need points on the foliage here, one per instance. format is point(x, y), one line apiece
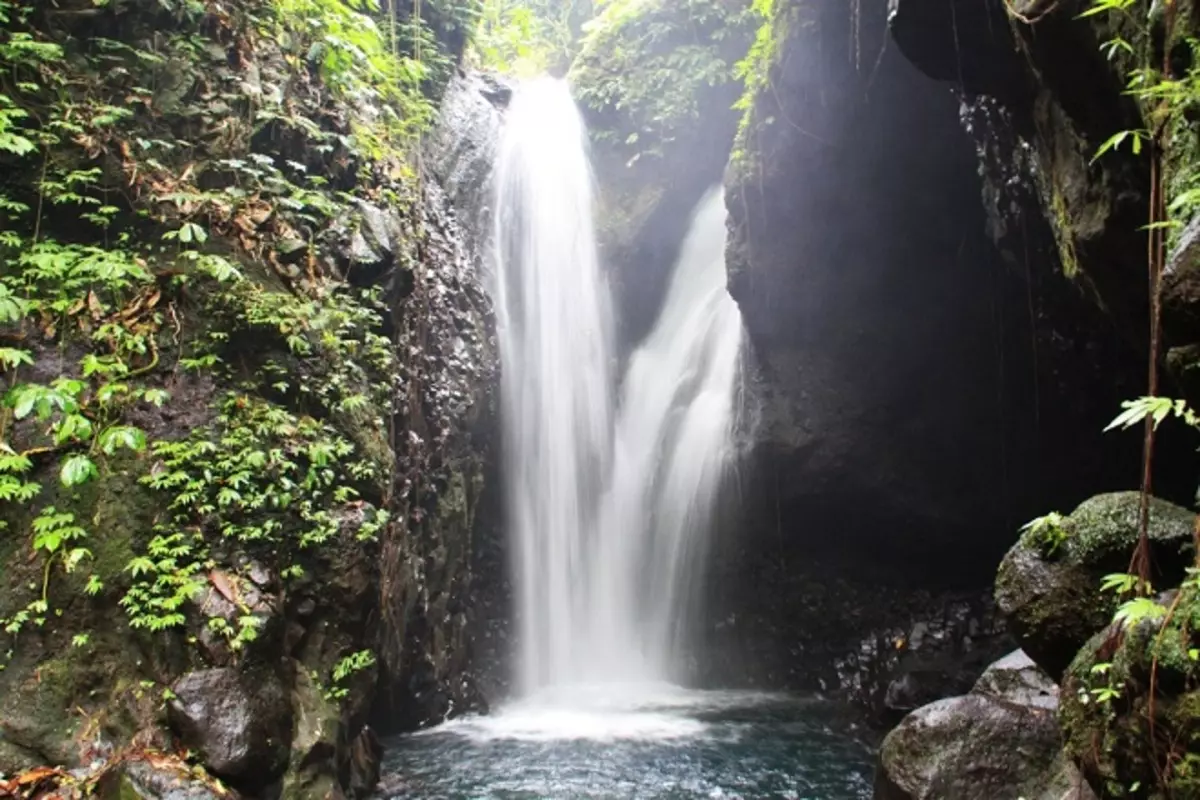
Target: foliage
point(646, 67)
point(167, 207)
point(1048, 532)
point(774, 21)
point(361, 66)
point(1133, 716)
point(76, 419)
point(528, 37)
point(260, 477)
point(345, 669)
point(754, 69)
point(1154, 408)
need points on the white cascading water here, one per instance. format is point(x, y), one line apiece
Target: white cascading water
point(609, 501)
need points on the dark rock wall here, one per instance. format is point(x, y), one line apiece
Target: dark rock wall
point(925, 378)
point(461, 155)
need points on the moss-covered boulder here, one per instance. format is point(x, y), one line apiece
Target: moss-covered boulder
point(1130, 709)
point(1048, 585)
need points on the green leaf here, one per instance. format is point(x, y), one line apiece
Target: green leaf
point(11, 357)
point(191, 232)
point(140, 565)
point(1119, 583)
point(1114, 142)
point(78, 469)
point(24, 398)
point(120, 436)
point(1138, 610)
point(157, 397)
point(1158, 408)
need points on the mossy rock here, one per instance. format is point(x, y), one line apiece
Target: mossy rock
point(1138, 743)
point(82, 677)
point(1048, 585)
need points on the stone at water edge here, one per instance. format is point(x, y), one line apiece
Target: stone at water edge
point(1051, 597)
point(240, 725)
point(999, 742)
point(148, 776)
point(1017, 679)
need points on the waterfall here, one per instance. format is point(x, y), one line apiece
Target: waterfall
point(610, 488)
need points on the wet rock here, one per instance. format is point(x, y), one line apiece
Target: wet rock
point(1048, 585)
point(240, 725)
point(965, 747)
point(999, 741)
point(312, 768)
point(1181, 286)
point(462, 149)
point(365, 762)
point(1183, 363)
point(144, 777)
point(1017, 679)
point(965, 42)
point(449, 366)
point(914, 689)
point(940, 654)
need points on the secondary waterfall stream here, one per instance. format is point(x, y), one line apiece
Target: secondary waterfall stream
point(610, 485)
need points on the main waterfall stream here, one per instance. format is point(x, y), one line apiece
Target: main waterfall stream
point(610, 489)
point(611, 486)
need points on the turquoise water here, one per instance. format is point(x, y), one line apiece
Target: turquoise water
point(638, 743)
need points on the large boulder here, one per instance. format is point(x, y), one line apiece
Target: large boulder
point(240, 725)
point(1048, 585)
point(1000, 741)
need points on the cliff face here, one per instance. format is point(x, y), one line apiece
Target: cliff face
point(929, 375)
point(251, 364)
point(1099, 104)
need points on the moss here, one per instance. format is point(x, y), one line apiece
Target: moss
point(1063, 233)
point(1054, 601)
point(778, 19)
point(1113, 739)
point(1106, 525)
point(119, 509)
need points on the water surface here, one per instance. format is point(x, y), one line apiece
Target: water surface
point(638, 743)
